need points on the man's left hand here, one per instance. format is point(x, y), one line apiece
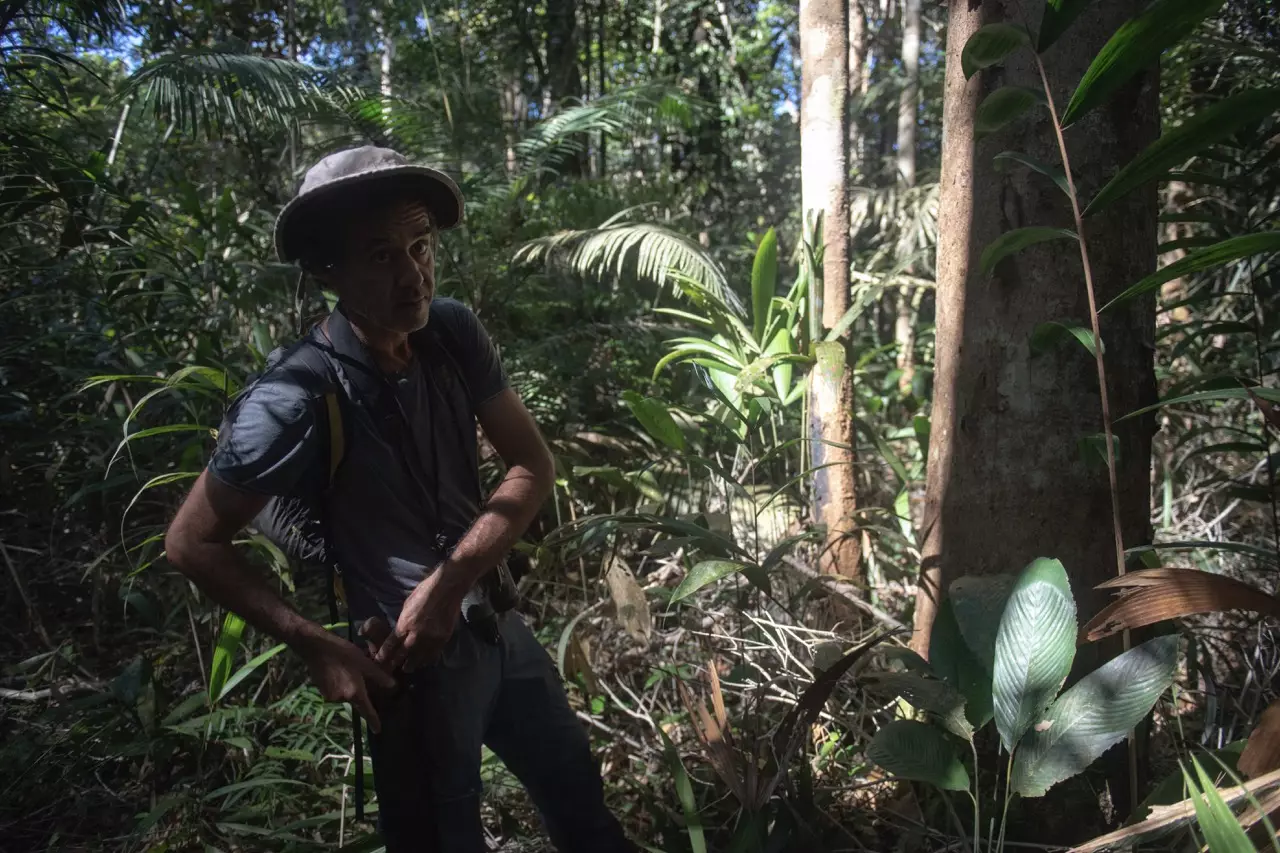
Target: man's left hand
point(427, 621)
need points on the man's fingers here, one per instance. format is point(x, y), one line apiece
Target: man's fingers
point(389, 648)
point(376, 674)
point(365, 706)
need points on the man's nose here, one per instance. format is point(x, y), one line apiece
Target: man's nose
point(408, 274)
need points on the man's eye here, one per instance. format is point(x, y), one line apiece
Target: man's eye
point(421, 248)
point(381, 256)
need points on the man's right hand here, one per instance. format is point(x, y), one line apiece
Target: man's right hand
point(343, 673)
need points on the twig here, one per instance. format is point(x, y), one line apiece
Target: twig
point(32, 615)
point(1162, 816)
point(843, 590)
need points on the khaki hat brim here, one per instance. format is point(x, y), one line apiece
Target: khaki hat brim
point(437, 190)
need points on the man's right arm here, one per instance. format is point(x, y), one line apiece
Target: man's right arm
point(199, 544)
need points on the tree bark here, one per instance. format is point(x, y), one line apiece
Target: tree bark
point(564, 77)
point(908, 107)
point(857, 84)
point(1007, 481)
point(824, 140)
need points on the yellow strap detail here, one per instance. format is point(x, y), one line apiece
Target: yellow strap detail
point(336, 438)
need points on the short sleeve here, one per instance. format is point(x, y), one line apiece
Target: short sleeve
point(476, 354)
point(270, 440)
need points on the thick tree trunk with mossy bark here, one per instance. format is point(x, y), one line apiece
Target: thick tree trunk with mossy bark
point(1008, 480)
point(824, 140)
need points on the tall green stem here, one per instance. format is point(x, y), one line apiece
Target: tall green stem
point(1004, 814)
point(1102, 375)
point(977, 790)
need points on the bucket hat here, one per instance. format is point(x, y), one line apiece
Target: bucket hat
point(361, 169)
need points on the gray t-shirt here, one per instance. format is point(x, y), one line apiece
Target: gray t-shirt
point(409, 480)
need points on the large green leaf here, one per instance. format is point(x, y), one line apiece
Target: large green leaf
point(919, 752)
point(224, 653)
point(1095, 713)
point(1222, 831)
point(978, 602)
point(1047, 336)
point(653, 415)
point(1269, 394)
point(1229, 250)
point(928, 694)
point(1017, 240)
point(1135, 47)
point(764, 282)
point(1035, 645)
point(953, 661)
point(1206, 127)
point(781, 344)
point(1058, 15)
point(1003, 106)
point(247, 670)
point(1053, 173)
point(990, 45)
point(706, 572)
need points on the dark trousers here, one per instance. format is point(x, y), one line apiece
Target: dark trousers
point(507, 696)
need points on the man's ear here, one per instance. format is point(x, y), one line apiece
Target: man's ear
point(321, 272)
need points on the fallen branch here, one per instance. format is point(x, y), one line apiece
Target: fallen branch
point(844, 591)
point(1165, 816)
point(56, 692)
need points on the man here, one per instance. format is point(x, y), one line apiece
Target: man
point(403, 513)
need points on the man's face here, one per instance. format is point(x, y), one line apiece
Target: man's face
point(386, 275)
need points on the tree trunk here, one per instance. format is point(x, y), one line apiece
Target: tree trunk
point(824, 39)
point(386, 58)
point(908, 107)
point(602, 84)
point(1007, 482)
point(564, 77)
point(359, 45)
point(857, 84)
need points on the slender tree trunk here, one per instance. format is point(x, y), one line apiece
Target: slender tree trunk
point(1007, 481)
point(602, 169)
point(858, 82)
point(564, 77)
point(824, 139)
point(386, 56)
point(359, 46)
point(908, 106)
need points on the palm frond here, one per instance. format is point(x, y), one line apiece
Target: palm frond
point(214, 89)
point(76, 18)
point(650, 252)
point(649, 108)
point(899, 225)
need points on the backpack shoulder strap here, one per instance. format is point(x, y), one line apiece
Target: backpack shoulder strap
point(337, 433)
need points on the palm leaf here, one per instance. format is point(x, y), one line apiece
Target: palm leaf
point(645, 250)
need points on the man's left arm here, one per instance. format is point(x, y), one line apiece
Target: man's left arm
point(431, 612)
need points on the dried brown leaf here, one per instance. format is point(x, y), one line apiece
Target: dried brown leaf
point(1262, 751)
point(1268, 411)
point(717, 697)
point(1178, 593)
point(629, 600)
point(721, 756)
